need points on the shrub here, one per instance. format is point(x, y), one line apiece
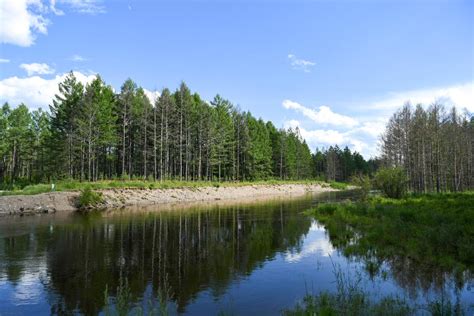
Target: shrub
point(338, 185)
point(392, 182)
point(89, 198)
point(364, 184)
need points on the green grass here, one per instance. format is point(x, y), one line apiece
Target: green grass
point(355, 303)
point(350, 298)
point(89, 199)
point(338, 185)
point(361, 303)
point(426, 240)
point(123, 302)
point(73, 185)
point(433, 232)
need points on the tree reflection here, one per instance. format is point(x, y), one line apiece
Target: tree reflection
point(186, 251)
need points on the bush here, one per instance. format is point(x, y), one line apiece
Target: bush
point(338, 185)
point(392, 182)
point(89, 198)
point(364, 184)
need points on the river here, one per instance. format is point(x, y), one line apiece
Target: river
point(242, 259)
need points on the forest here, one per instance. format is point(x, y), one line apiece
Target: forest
point(434, 146)
point(91, 133)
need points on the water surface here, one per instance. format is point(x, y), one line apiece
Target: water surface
point(241, 259)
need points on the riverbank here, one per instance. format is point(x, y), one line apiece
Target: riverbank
point(66, 201)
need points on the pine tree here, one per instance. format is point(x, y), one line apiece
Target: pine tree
point(64, 111)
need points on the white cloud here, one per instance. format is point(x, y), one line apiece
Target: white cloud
point(77, 58)
point(372, 127)
point(152, 95)
point(4, 61)
point(84, 6)
point(363, 133)
point(37, 69)
point(461, 95)
point(319, 138)
point(323, 116)
point(34, 91)
point(316, 243)
point(300, 64)
point(21, 21)
point(38, 92)
point(52, 7)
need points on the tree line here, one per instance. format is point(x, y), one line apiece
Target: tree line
point(434, 147)
point(336, 164)
point(92, 133)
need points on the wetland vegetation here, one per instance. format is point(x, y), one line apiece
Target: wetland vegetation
point(425, 241)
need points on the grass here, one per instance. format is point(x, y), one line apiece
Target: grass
point(89, 198)
point(351, 299)
point(362, 303)
point(122, 303)
point(74, 185)
point(338, 185)
point(426, 240)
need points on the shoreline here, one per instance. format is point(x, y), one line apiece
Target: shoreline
point(65, 201)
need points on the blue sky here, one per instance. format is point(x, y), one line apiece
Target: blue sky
point(336, 69)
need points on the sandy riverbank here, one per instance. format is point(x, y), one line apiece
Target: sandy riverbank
point(116, 198)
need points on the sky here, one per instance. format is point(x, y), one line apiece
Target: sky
point(335, 69)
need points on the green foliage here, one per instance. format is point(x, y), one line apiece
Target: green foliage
point(336, 164)
point(93, 134)
point(123, 298)
point(444, 307)
point(359, 303)
point(260, 151)
point(88, 198)
point(433, 145)
point(433, 232)
point(349, 299)
point(363, 183)
point(122, 305)
point(338, 185)
point(392, 182)
point(65, 109)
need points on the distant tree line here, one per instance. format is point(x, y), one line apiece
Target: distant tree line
point(435, 147)
point(336, 164)
point(92, 133)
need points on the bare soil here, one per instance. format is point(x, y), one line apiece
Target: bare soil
point(117, 198)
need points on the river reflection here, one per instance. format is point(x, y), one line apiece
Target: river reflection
point(244, 259)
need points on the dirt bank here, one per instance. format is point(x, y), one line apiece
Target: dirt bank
point(114, 198)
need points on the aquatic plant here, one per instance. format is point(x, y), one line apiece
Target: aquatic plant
point(122, 305)
point(435, 231)
point(349, 299)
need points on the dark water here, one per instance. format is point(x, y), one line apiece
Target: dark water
point(243, 259)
